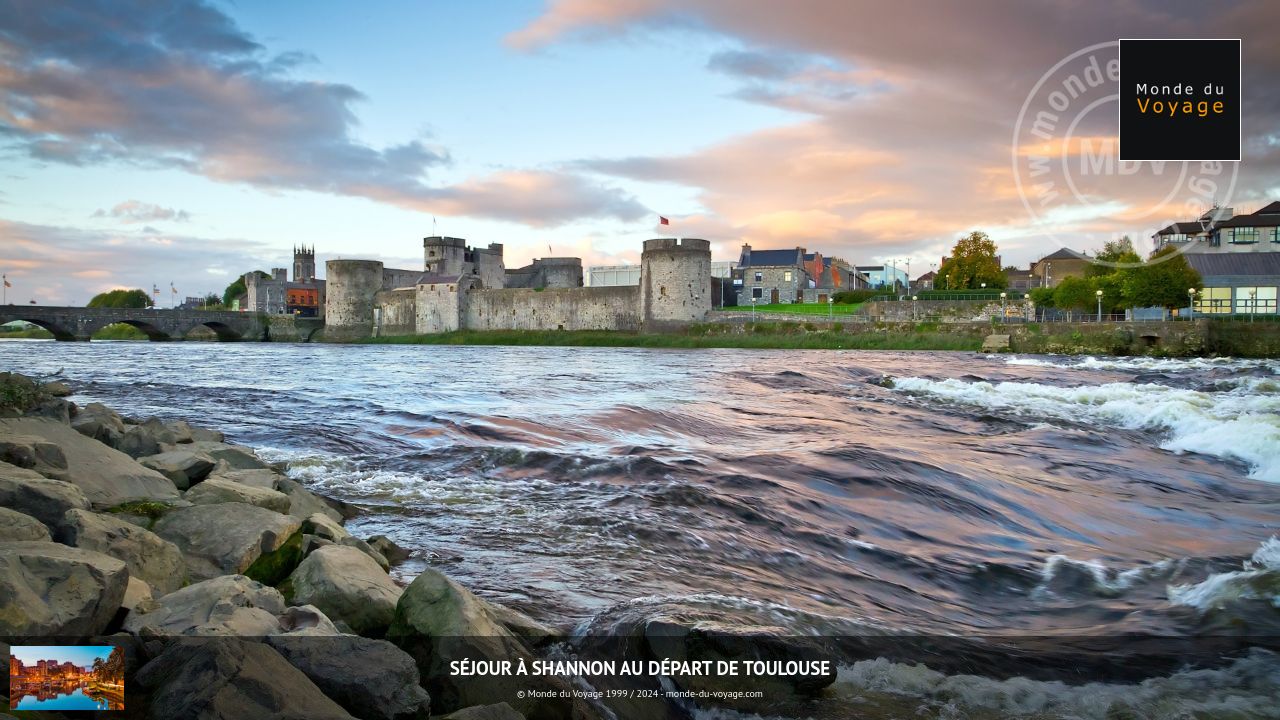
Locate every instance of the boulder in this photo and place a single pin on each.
(181, 431)
(183, 468)
(31, 493)
(52, 589)
(303, 503)
(136, 442)
(225, 605)
(438, 621)
(372, 679)
(57, 388)
(232, 537)
(323, 526)
(159, 431)
(231, 679)
(99, 422)
(535, 633)
(265, 479)
(149, 557)
(236, 457)
(501, 711)
(199, 434)
(389, 549)
(217, 490)
(346, 585)
(34, 453)
(107, 477)
(20, 526)
(135, 593)
(52, 408)
(307, 621)
(364, 547)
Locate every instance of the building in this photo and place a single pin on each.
(1239, 283)
(925, 281)
(561, 272)
(277, 295)
(1194, 233)
(770, 276)
(1049, 270)
(452, 256)
(884, 277)
(365, 299)
(617, 275)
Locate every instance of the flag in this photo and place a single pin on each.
(663, 221)
(6, 282)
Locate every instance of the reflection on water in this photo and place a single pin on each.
(61, 695)
(967, 494)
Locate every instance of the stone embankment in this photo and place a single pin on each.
(234, 591)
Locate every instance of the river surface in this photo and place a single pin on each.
(823, 491)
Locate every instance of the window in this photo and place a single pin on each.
(786, 276)
(1272, 234)
(1244, 235)
(759, 276)
(1256, 300)
(1214, 300)
(757, 293)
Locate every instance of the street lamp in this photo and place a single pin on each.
(831, 307)
(1031, 309)
(1004, 311)
(915, 307)
(1099, 294)
(753, 309)
(1191, 303)
(1253, 304)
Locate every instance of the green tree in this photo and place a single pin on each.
(121, 298)
(972, 263)
(1042, 297)
(1114, 251)
(237, 288)
(1162, 281)
(1074, 293)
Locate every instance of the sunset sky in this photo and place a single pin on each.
(188, 142)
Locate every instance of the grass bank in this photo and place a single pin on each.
(798, 308)
(771, 336)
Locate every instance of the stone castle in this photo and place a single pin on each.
(465, 288)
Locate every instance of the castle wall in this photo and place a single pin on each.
(610, 308)
(437, 308)
(395, 312)
(675, 281)
(547, 273)
(349, 300)
(393, 278)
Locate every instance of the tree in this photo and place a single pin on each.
(1114, 251)
(1042, 297)
(1074, 293)
(1162, 281)
(237, 288)
(121, 298)
(972, 263)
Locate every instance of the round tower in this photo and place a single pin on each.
(348, 307)
(675, 281)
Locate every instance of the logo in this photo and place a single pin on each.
(1069, 174)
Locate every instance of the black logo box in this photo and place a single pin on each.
(1186, 64)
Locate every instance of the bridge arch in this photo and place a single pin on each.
(225, 332)
(152, 332)
(59, 332)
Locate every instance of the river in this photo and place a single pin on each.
(825, 491)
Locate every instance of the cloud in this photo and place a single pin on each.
(909, 112)
(180, 85)
(136, 211)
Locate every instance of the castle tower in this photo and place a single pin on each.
(349, 301)
(675, 281)
(445, 255)
(304, 264)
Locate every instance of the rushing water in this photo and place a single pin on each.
(969, 495)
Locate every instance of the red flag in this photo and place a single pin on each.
(7, 283)
(663, 221)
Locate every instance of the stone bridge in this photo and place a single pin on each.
(80, 323)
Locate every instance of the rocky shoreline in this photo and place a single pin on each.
(236, 592)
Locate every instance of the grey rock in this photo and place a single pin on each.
(534, 632)
(217, 490)
(107, 477)
(389, 549)
(181, 431)
(303, 503)
(364, 547)
(52, 589)
(231, 679)
(183, 468)
(225, 605)
(136, 441)
(199, 434)
(31, 493)
(149, 557)
(136, 593)
(57, 388)
(20, 526)
(226, 538)
(322, 526)
(236, 457)
(34, 453)
(265, 479)
(307, 621)
(372, 679)
(55, 409)
(348, 586)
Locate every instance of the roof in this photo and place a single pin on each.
(429, 279)
(765, 258)
(1272, 209)
(1064, 254)
(927, 276)
(1243, 263)
(1258, 219)
(1183, 228)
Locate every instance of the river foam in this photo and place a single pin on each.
(1238, 424)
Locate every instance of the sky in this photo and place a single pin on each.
(79, 655)
(184, 143)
